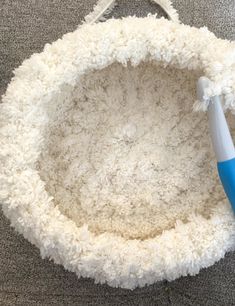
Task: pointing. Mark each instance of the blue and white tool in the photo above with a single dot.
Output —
(221, 140)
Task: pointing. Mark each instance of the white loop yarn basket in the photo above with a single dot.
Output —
(104, 165)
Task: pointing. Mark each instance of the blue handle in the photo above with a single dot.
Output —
(226, 171)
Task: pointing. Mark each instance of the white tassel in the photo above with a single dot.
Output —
(102, 8)
(166, 5)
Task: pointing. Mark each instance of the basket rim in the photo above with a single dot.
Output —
(107, 257)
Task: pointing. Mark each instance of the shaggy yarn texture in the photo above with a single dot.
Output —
(99, 145)
(128, 156)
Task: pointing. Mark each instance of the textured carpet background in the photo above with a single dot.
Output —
(26, 279)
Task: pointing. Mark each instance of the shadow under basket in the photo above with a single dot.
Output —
(104, 164)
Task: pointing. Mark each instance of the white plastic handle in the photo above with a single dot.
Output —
(220, 134)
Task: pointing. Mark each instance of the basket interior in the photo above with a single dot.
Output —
(125, 153)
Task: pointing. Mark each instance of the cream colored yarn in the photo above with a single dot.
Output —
(104, 165)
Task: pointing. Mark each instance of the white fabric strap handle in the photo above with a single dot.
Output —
(104, 7)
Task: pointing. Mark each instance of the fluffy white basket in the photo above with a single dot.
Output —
(91, 65)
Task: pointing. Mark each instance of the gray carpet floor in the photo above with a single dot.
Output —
(26, 279)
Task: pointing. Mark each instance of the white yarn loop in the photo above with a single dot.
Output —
(104, 7)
